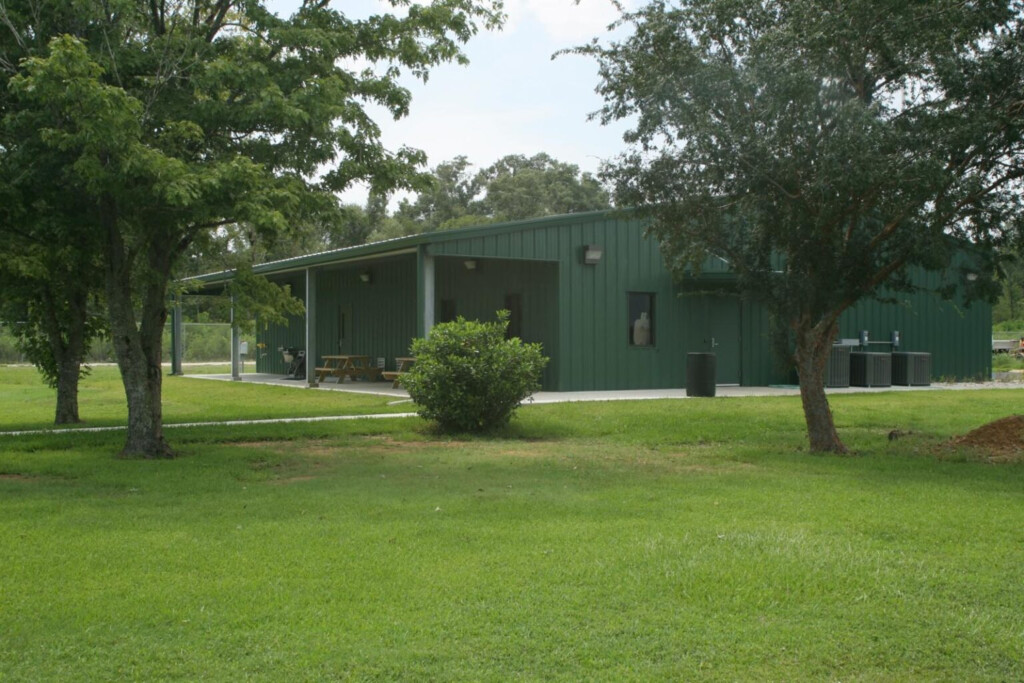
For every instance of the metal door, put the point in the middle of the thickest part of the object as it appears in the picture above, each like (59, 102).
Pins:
(722, 336)
(343, 327)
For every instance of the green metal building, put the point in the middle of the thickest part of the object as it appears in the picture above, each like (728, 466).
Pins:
(577, 284)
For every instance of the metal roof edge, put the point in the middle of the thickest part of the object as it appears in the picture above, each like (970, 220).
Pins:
(521, 225)
(403, 244)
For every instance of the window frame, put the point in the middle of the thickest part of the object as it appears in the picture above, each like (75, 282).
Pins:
(633, 314)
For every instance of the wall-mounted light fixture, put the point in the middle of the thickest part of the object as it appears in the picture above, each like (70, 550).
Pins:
(470, 264)
(366, 276)
(592, 254)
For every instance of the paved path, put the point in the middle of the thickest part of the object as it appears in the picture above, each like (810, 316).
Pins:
(385, 389)
(172, 425)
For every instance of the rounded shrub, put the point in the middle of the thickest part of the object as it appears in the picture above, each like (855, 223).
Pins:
(469, 378)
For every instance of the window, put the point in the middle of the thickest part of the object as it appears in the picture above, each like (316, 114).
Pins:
(640, 319)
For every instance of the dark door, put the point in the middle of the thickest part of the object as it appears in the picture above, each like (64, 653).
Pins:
(722, 336)
(514, 306)
(344, 328)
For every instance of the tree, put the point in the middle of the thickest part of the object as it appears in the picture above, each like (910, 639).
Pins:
(49, 271)
(452, 196)
(519, 187)
(515, 187)
(1009, 309)
(49, 303)
(185, 117)
(822, 148)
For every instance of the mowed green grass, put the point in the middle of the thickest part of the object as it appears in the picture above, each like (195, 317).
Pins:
(27, 403)
(646, 540)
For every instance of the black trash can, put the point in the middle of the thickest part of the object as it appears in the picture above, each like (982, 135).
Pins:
(700, 374)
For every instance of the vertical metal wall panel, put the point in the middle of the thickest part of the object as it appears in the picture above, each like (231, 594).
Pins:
(760, 367)
(957, 336)
(383, 310)
(479, 293)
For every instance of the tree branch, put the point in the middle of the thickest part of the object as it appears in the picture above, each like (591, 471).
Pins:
(215, 21)
(156, 10)
(5, 19)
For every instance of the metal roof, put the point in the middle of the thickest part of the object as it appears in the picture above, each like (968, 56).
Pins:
(401, 245)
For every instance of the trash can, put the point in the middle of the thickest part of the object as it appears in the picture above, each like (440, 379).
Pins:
(700, 374)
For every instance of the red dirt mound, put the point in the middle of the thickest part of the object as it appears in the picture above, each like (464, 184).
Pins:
(1000, 441)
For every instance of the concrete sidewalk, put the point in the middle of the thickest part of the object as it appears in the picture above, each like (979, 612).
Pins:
(541, 397)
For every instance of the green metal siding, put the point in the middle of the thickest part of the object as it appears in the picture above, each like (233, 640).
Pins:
(761, 366)
(478, 294)
(958, 337)
(579, 312)
(594, 325)
(382, 312)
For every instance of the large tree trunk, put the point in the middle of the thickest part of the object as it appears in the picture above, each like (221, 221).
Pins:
(68, 373)
(138, 358)
(813, 345)
(137, 345)
(65, 326)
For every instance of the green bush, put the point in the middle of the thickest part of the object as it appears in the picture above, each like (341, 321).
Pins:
(469, 378)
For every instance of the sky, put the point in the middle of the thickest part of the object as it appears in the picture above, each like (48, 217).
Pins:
(512, 98)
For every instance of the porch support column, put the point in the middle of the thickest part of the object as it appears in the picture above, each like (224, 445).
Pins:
(176, 337)
(236, 351)
(425, 292)
(311, 352)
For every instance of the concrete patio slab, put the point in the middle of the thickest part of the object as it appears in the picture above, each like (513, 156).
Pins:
(542, 397)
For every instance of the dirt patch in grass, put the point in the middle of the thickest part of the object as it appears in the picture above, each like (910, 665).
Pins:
(717, 467)
(283, 481)
(386, 443)
(1001, 441)
(289, 471)
(16, 477)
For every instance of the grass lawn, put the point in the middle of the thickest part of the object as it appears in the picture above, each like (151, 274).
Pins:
(27, 403)
(649, 540)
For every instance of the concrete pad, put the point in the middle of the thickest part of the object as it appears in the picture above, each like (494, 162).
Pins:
(544, 397)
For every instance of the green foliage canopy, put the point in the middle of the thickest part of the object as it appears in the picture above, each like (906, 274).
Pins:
(515, 187)
(820, 147)
(175, 119)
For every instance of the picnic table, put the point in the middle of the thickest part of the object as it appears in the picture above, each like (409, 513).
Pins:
(353, 366)
(402, 365)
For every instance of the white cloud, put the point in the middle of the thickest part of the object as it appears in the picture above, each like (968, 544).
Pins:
(564, 21)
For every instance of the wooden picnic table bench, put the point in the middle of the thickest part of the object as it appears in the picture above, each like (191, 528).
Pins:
(402, 365)
(353, 366)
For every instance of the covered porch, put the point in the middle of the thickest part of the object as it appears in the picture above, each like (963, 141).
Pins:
(372, 306)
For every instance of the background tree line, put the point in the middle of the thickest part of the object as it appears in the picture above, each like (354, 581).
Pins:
(453, 195)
